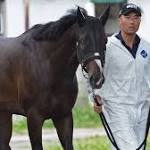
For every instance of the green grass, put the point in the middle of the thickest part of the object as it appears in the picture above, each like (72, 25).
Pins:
(94, 143)
(84, 117)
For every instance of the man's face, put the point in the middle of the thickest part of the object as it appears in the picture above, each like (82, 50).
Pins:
(129, 23)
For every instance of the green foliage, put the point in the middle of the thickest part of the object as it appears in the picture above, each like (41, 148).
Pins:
(48, 124)
(85, 117)
(20, 125)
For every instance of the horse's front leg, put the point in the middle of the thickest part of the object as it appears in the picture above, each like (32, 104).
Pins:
(5, 130)
(35, 123)
(64, 127)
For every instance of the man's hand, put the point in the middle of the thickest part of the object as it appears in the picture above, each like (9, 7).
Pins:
(98, 104)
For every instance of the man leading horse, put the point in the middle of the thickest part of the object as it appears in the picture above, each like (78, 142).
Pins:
(125, 93)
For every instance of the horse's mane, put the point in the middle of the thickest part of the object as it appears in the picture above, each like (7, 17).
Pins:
(54, 30)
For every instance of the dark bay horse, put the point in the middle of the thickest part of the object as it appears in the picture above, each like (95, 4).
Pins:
(37, 74)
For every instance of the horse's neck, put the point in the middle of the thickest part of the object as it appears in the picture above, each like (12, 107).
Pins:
(72, 66)
(67, 52)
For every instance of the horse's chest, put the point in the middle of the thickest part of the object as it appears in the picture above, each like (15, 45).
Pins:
(64, 98)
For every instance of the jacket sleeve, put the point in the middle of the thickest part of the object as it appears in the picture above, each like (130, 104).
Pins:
(147, 67)
(147, 73)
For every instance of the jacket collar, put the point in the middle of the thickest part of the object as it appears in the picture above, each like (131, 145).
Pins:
(132, 50)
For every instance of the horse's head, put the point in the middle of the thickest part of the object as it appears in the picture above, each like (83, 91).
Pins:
(91, 45)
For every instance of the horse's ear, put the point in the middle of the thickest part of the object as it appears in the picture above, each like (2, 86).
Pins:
(105, 15)
(80, 17)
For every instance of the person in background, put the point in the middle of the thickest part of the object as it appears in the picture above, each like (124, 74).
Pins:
(125, 95)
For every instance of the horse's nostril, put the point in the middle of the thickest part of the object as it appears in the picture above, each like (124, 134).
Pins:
(103, 80)
(100, 82)
(97, 81)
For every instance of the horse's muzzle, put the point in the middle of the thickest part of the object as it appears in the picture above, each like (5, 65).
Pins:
(97, 82)
(95, 74)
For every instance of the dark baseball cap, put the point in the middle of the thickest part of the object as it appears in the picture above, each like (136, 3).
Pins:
(129, 8)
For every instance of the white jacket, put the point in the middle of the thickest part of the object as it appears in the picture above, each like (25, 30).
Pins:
(127, 79)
